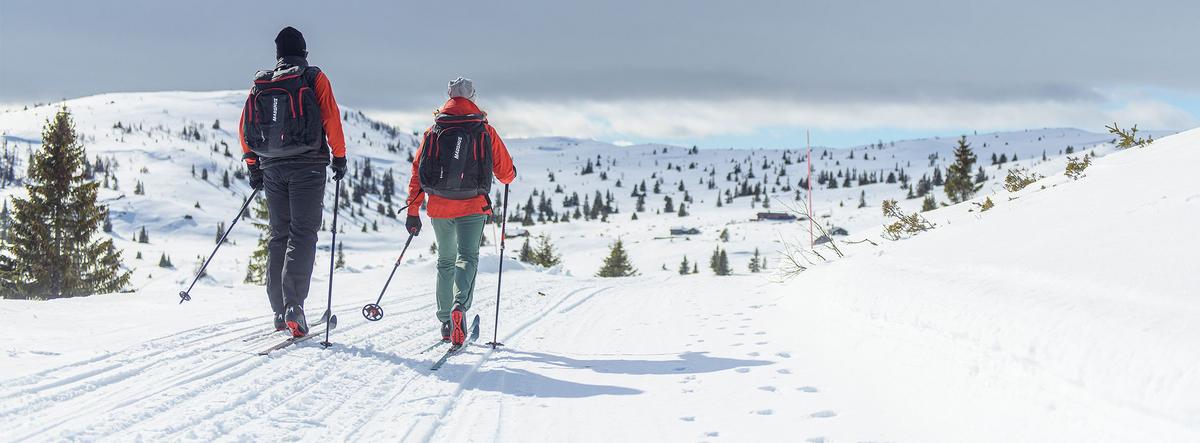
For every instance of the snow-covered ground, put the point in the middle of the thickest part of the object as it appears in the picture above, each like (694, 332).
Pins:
(1067, 312)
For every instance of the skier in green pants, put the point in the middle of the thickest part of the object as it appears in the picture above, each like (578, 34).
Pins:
(458, 157)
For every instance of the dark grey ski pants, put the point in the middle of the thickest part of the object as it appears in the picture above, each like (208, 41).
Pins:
(295, 198)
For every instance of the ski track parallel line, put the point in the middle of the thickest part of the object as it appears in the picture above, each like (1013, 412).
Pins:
(448, 404)
(131, 375)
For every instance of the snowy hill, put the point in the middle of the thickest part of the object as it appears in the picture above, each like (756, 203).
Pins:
(1066, 312)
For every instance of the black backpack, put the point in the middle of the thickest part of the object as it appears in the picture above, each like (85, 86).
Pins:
(283, 118)
(456, 159)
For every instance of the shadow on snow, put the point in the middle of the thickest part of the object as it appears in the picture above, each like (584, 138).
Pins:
(525, 383)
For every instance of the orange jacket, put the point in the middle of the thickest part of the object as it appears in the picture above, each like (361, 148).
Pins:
(440, 207)
(331, 119)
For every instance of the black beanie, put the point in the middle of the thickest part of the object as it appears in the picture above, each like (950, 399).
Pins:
(290, 42)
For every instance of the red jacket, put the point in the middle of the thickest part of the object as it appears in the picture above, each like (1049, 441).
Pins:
(331, 119)
(440, 207)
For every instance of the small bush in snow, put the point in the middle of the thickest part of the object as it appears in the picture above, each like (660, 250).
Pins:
(987, 204)
(1128, 139)
(1076, 166)
(1018, 178)
(905, 224)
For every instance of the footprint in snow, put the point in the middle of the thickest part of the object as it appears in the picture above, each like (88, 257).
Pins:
(753, 354)
(767, 388)
(688, 418)
(764, 412)
(712, 434)
(760, 343)
(816, 440)
(760, 333)
(806, 389)
(784, 371)
(784, 354)
(824, 414)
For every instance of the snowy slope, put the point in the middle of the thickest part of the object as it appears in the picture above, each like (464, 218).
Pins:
(1067, 312)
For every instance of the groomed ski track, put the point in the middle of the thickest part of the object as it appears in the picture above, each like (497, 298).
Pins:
(371, 384)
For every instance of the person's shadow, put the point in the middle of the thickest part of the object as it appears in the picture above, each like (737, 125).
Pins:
(525, 383)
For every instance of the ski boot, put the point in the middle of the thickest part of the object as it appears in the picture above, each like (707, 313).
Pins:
(446, 331)
(458, 332)
(279, 323)
(295, 321)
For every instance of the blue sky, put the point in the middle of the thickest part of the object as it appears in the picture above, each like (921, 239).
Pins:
(718, 74)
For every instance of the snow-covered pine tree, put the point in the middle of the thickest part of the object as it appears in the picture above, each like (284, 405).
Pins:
(684, 267)
(617, 263)
(959, 184)
(56, 253)
(340, 263)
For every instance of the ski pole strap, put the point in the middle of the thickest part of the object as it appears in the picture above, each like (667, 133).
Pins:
(412, 199)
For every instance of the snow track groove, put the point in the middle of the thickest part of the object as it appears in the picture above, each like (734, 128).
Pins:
(206, 383)
(451, 400)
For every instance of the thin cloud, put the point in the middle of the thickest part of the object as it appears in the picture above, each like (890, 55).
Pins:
(692, 119)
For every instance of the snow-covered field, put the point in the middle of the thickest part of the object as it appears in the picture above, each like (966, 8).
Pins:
(1067, 312)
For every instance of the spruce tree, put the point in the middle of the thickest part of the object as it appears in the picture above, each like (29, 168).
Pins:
(684, 267)
(545, 255)
(56, 253)
(928, 204)
(165, 262)
(959, 184)
(617, 263)
(719, 263)
(756, 262)
(526, 254)
(340, 263)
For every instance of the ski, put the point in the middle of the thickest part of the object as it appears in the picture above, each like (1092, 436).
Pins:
(434, 346)
(455, 350)
(293, 340)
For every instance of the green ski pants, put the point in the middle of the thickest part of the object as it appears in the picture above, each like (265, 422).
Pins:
(458, 261)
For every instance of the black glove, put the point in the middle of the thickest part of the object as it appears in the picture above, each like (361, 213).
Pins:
(413, 223)
(256, 174)
(339, 167)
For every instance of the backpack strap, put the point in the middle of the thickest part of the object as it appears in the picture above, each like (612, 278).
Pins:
(310, 76)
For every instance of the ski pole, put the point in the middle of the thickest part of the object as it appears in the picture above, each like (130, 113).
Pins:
(186, 295)
(337, 192)
(373, 311)
(500, 273)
